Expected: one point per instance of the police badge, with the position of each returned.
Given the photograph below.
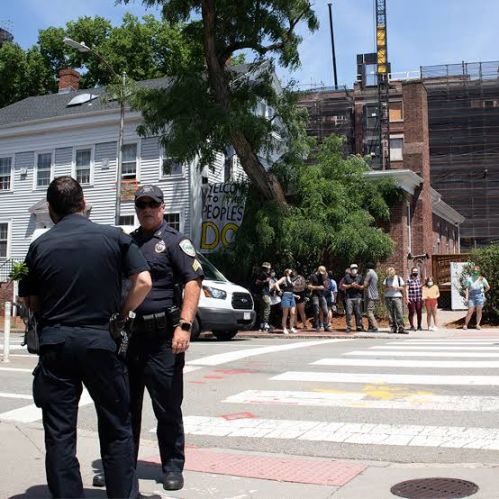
(160, 247)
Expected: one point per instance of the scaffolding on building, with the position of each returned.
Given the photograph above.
(330, 112)
(5, 34)
(463, 117)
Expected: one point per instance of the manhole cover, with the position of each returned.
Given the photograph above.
(434, 488)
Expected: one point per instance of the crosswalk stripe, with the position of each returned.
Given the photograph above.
(223, 358)
(353, 433)
(440, 364)
(396, 379)
(31, 413)
(446, 340)
(389, 399)
(15, 396)
(449, 343)
(16, 369)
(405, 353)
(437, 348)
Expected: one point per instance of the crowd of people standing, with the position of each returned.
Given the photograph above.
(290, 296)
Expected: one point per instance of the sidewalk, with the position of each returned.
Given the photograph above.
(228, 474)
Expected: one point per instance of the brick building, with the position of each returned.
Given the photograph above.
(422, 224)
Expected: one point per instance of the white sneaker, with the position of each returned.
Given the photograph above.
(285, 331)
(293, 330)
(435, 328)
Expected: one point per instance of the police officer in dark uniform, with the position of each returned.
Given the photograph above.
(161, 330)
(74, 287)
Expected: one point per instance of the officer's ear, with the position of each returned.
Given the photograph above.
(53, 215)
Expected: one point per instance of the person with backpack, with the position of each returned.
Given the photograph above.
(394, 292)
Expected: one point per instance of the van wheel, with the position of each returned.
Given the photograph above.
(196, 330)
(224, 335)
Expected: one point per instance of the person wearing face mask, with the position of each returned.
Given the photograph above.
(353, 284)
(476, 287)
(288, 302)
(262, 295)
(275, 301)
(316, 284)
(431, 294)
(414, 298)
(300, 291)
(394, 292)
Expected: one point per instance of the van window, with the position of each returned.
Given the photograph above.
(210, 271)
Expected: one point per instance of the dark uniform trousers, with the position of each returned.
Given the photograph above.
(57, 387)
(153, 365)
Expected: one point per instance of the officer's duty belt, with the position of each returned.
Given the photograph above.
(152, 324)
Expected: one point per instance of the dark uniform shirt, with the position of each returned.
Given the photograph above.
(76, 270)
(354, 292)
(172, 260)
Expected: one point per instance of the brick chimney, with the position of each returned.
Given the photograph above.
(69, 79)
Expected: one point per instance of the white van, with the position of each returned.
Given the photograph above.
(224, 307)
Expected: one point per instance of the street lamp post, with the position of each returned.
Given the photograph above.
(85, 49)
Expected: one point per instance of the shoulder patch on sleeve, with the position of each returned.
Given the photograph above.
(187, 247)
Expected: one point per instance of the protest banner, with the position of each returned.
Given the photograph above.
(223, 211)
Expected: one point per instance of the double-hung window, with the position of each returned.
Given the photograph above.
(5, 173)
(129, 162)
(127, 220)
(173, 220)
(4, 239)
(43, 169)
(83, 160)
(396, 148)
(170, 166)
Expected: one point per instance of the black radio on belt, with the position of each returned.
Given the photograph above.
(161, 322)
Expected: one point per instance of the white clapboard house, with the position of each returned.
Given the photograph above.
(75, 132)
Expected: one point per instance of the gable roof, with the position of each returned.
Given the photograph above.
(54, 105)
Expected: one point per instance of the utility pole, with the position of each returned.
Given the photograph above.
(119, 168)
(84, 49)
(330, 6)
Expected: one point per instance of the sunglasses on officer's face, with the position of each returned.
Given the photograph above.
(141, 205)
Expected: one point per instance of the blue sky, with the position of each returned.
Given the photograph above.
(420, 32)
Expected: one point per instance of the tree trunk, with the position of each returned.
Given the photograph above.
(266, 183)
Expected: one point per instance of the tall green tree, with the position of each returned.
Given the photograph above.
(143, 48)
(23, 73)
(211, 104)
(334, 219)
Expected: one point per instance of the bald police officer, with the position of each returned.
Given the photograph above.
(162, 330)
(74, 287)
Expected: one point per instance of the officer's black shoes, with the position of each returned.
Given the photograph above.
(173, 480)
(99, 480)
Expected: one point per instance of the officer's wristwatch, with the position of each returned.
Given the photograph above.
(185, 325)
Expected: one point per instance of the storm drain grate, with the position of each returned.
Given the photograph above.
(434, 488)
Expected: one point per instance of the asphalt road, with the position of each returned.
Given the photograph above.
(398, 399)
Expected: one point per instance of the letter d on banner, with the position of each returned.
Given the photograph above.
(210, 237)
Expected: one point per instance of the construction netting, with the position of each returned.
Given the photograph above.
(463, 114)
